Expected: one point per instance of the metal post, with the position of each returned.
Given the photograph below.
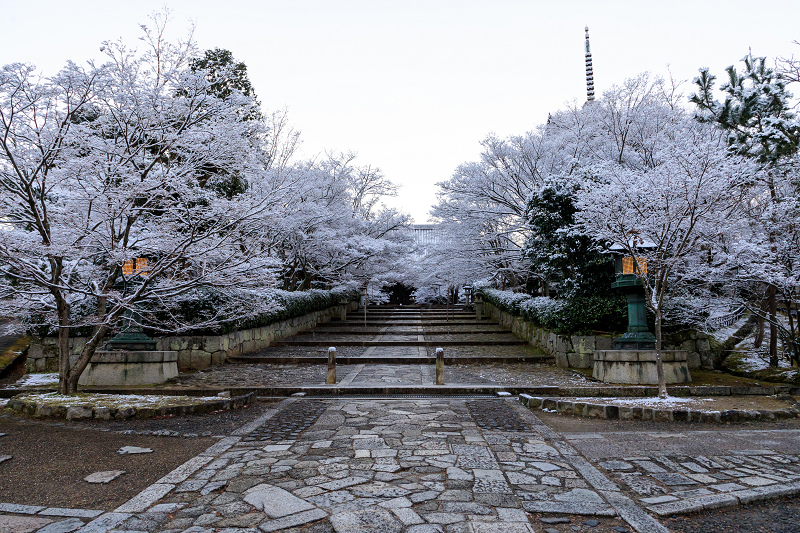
(439, 366)
(331, 366)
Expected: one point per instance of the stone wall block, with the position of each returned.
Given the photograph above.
(583, 344)
(593, 410)
(580, 360)
(199, 360)
(603, 342)
(218, 358)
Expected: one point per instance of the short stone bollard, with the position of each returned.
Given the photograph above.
(331, 366)
(439, 366)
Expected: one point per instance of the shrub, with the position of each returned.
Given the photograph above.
(566, 316)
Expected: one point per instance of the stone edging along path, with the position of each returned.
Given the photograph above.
(614, 412)
(106, 413)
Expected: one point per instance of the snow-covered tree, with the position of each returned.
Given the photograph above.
(102, 199)
(560, 252)
(482, 208)
(758, 118)
(670, 213)
(334, 227)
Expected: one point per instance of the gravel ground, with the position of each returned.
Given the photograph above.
(49, 464)
(776, 516)
(50, 459)
(253, 375)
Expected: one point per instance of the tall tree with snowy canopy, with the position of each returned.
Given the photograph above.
(665, 213)
(101, 200)
(757, 115)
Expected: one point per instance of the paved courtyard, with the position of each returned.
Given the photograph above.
(417, 463)
(446, 465)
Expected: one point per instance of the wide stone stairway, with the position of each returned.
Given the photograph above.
(405, 335)
(392, 350)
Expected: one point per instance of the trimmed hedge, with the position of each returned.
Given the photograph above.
(199, 306)
(288, 304)
(572, 316)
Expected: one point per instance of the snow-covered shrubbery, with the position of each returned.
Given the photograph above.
(575, 315)
(282, 305)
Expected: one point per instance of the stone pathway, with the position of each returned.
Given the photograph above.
(679, 472)
(445, 465)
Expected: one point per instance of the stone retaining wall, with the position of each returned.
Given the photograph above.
(196, 352)
(638, 367)
(126, 369)
(577, 351)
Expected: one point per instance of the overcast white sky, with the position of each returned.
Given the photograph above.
(413, 86)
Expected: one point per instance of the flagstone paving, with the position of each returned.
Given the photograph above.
(430, 464)
(288, 375)
(440, 464)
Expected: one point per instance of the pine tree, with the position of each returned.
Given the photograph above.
(758, 116)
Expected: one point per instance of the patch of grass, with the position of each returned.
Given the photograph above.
(10, 353)
(711, 378)
(739, 365)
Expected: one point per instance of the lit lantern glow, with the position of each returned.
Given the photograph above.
(629, 268)
(142, 267)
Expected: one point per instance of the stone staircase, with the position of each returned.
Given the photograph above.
(401, 335)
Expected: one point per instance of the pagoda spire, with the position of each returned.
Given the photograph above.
(589, 70)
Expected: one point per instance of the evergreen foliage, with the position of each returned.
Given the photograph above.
(560, 252)
(574, 316)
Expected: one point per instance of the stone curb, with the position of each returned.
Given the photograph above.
(614, 412)
(714, 501)
(455, 388)
(105, 413)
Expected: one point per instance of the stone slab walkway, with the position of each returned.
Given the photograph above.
(264, 375)
(445, 465)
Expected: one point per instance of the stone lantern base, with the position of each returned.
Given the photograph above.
(638, 367)
(128, 368)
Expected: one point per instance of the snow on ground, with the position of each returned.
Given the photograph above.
(724, 334)
(669, 401)
(113, 400)
(38, 380)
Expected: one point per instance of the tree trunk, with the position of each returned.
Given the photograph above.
(792, 344)
(773, 325)
(662, 385)
(83, 361)
(63, 345)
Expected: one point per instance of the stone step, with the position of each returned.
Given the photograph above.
(384, 323)
(350, 390)
(353, 331)
(464, 316)
(390, 359)
(433, 343)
